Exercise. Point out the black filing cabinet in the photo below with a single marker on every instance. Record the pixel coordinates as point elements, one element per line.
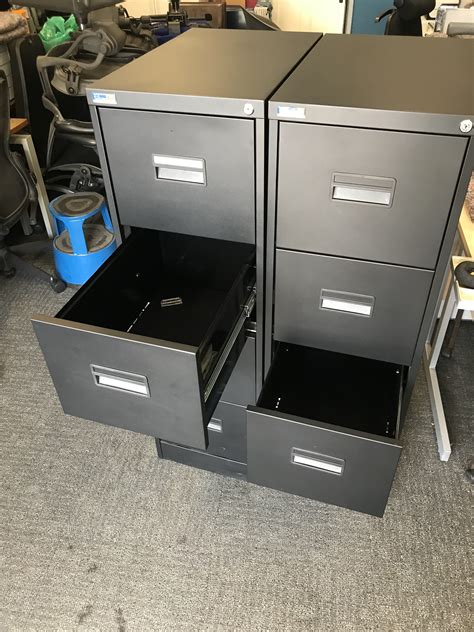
<point>367,172</point>
<point>158,340</point>
<point>286,205</point>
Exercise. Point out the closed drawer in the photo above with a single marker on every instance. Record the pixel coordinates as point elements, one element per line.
<point>185,179</point>
<point>150,341</point>
<point>325,426</point>
<point>227,432</point>
<point>357,307</point>
<point>367,194</point>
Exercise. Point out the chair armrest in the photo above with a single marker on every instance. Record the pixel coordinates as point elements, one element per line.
<point>71,126</point>
<point>383,15</point>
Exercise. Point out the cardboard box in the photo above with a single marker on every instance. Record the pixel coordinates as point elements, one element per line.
<point>216,11</point>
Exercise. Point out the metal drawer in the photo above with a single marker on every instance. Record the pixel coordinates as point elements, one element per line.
<point>122,353</point>
<point>325,426</point>
<point>367,194</point>
<point>366,309</point>
<point>227,432</point>
<point>191,174</point>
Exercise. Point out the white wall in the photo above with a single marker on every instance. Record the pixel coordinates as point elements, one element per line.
<point>145,7</point>
<point>326,16</point>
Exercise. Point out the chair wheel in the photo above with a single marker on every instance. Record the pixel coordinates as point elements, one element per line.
<point>8,274</point>
<point>37,229</point>
<point>58,285</point>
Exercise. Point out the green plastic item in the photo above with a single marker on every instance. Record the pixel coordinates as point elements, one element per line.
<point>57,30</point>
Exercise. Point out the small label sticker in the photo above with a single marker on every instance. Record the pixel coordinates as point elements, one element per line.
<point>104,98</point>
<point>289,111</point>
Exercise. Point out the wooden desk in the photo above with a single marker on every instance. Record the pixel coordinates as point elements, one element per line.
<point>17,124</point>
<point>466,232</point>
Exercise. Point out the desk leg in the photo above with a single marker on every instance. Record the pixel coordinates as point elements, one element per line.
<point>430,360</point>
<point>439,418</point>
<point>26,142</point>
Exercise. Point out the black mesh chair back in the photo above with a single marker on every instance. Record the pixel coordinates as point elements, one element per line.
<point>29,91</point>
<point>405,18</point>
<point>14,198</point>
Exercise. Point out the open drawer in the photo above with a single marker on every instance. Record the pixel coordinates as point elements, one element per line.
<point>325,427</point>
<point>149,342</point>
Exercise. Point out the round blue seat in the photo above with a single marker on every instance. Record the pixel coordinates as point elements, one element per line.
<point>82,244</point>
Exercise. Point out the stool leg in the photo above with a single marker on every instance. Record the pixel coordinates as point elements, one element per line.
<point>76,235</point>
<point>447,352</point>
<point>106,218</point>
<point>58,225</point>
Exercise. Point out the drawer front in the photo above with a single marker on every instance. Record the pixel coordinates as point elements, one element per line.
<point>356,307</point>
<point>185,178</point>
<point>323,462</point>
<point>227,432</point>
<point>124,380</point>
<point>366,194</point>
<point>240,388</point>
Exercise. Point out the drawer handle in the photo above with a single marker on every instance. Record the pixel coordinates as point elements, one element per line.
<point>190,170</point>
<point>120,381</point>
<point>215,425</point>
<point>320,462</point>
<point>355,304</point>
<point>350,187</point>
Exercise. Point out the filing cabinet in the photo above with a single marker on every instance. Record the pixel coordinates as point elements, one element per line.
<point>156,341</point>
<point>368,170</point>
<point>286,205</point>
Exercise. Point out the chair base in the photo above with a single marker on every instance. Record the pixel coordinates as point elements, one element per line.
<point>10,261</point>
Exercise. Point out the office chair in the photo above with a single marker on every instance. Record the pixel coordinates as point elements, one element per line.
<point>240,18</point>
<point>405,17</point>
<point>67,156</point>
<point>18,196</point>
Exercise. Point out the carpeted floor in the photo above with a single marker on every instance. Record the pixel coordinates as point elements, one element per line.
<point>97,534</point>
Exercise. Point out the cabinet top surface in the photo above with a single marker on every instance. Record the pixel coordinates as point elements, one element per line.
<point>412,75</point>
<point>207,65</point>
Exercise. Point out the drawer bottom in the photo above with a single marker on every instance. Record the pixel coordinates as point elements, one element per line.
<point>201,460</point>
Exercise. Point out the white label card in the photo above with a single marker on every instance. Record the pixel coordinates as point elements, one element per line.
<point>290,111</point>
<point>104,98</point>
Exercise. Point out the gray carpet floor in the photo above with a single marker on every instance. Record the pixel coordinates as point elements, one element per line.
<point>98,534</point>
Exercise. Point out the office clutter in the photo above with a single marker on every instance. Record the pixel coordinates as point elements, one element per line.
<point>308,324</point>
<point>81,245</point>
<point>57,30</point>
<point>12,26</point>
<point>18,202</point>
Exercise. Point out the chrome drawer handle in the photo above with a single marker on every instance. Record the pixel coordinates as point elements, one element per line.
<point>351,187</point>
<point>190,170</point>
<point>355,304</point>
<point>215,425</point>
<point>120,380</point>
<point>320,462</point>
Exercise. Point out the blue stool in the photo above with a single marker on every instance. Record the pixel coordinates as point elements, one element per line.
<point>81,248</point>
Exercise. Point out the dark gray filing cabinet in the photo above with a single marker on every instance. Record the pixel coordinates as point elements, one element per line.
<point>368,169</point>
<point>181,134</point>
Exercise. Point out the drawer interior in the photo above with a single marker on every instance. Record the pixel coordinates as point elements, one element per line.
<point>334,388</point>
<point>179,288</point>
